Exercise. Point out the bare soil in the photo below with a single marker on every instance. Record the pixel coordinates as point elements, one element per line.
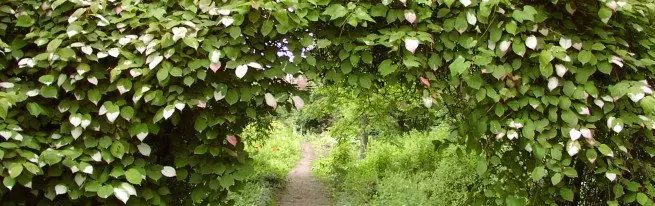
<point>302,187</point>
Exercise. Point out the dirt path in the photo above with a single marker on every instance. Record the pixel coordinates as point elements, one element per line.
<point>302,188</point>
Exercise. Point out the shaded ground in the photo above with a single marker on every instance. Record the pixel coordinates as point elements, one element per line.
<point>303,188</point>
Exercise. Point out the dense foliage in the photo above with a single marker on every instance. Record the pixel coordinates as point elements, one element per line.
<point>101,99</point>
<point>273,157</point>
<point>396,171</point>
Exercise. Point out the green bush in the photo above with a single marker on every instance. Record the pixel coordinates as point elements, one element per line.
<point>403,170</point>
<point>273,158</point>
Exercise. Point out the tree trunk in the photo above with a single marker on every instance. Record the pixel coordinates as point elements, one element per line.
<point>364,137</point>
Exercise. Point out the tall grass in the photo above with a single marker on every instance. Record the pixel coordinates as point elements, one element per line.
<point>403,170</point>
<point>273,158</point>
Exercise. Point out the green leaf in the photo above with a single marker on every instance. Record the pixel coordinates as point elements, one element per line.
<point>481,167</point>
<point>605,150</point>
<point>538,173</point>
<point>365,82</point>
<point>15,170</point>
<point>25,21</point>
<point>511,27</point>
<point>191,42</point>
<point>267,27</point>
<point>643,199</point>
<point>53,45</point>
<point>570,117</point>
<point>566,193</point>
<point>515,201</point>
<point>584,56</point>
<point>459,66</point>
<point>556,178</point>
<point>49,92</point>
<point>47,79</point>
<point>117,149</point>
<point>387,67</point>
<point>605,14</point>
<point>232,96</point>
<point>32,167</point>
<point>105,191</point>
<point>133,176</point>
<point>570,172</point>
<point>335,11</point>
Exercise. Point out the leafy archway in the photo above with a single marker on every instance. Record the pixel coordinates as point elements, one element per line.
<point>100,98</point>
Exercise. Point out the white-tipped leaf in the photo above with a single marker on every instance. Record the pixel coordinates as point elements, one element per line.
<point>411,45</point>
<point>504,45</point>
<point>298,102</point>
<point>270,100</point>
<point>410,16</point>
<point>565,43</point>
<point>573,147</point>
<point>465,2</point>
<point>241,71</point>
<point>586,133</point>
<point>553,82</point>
<point>610,176</point>
<point>144,149</point>
<point>574,134</point>
<point>168,171</point>
<point>531,42</point>
<point>61,189</point>
<point>560,70</point>
<point>471,19</point>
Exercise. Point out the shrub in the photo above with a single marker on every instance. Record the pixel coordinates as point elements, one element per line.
<point>399,170</point>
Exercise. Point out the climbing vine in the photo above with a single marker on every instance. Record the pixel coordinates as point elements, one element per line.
<point>139,101</point>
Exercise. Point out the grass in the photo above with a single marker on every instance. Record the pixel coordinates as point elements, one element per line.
<point>396,171</point>
<point>274,157</point>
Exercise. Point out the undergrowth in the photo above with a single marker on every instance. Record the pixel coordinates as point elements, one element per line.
<point>402,170</point>
<point>274,157</point>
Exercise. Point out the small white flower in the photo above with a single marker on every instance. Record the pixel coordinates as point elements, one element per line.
<point>577,46</point>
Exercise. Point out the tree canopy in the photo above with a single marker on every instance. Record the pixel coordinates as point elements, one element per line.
<point>141,100</point>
